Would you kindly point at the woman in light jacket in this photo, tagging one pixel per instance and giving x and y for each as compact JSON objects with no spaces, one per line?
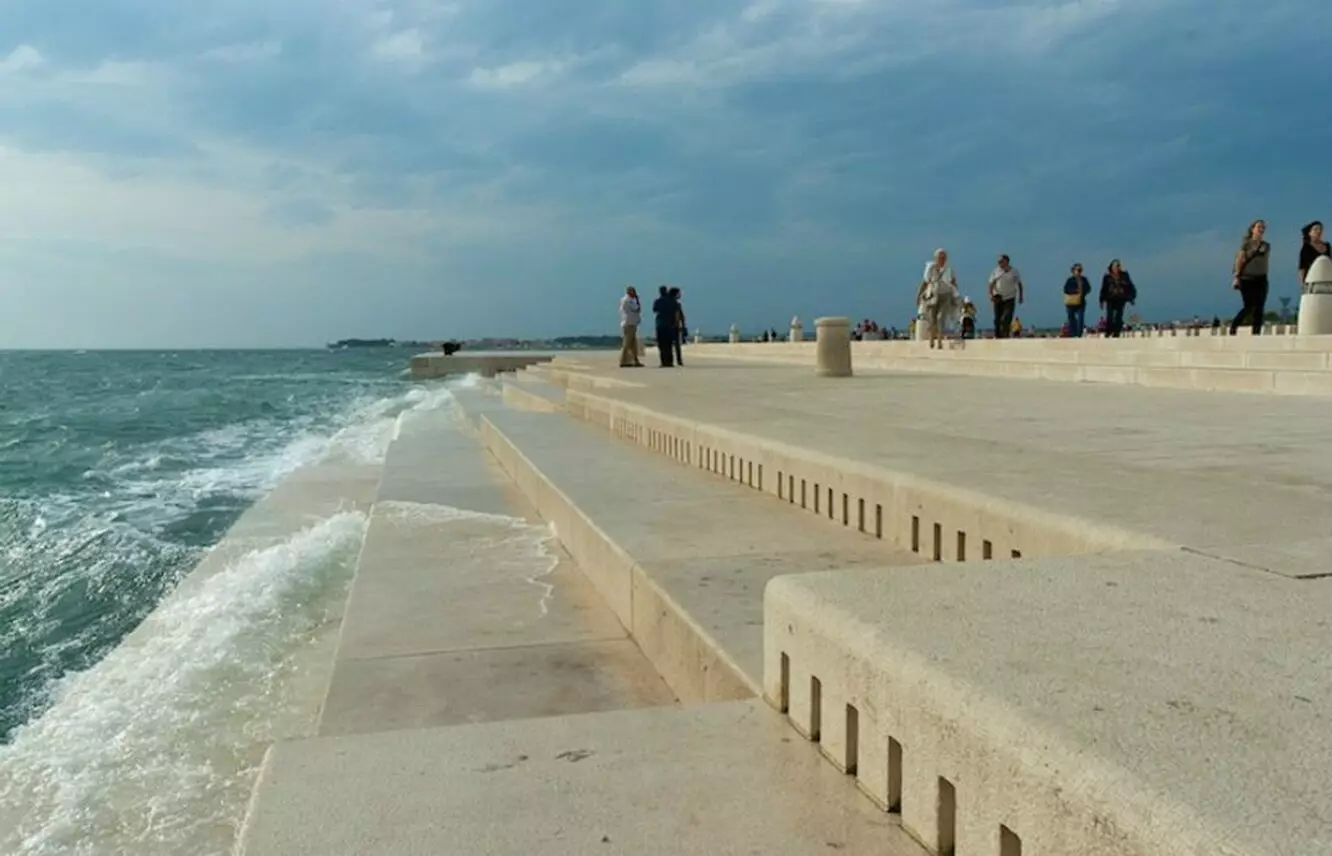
{"x":937,"y":298}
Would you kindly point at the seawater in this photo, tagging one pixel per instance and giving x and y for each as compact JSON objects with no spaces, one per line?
{"x":134,"y":711}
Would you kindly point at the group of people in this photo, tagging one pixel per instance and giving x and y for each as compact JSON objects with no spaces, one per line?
{"x":940,"y":302}
{"x":668,"y":315}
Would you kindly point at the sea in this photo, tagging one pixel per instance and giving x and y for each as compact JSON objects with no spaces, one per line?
{"x":119,"y":471}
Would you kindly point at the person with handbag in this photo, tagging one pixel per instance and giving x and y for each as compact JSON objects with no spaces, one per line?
{"x":1076,"y":291}
{"x":937,"y":298}
{"x":1117,"y":291}
{"x":1251,"y":277}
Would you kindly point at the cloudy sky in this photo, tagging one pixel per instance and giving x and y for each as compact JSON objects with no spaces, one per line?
{"x":283,"y":172}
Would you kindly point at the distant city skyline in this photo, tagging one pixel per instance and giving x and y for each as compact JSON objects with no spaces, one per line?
{"x":291,"y":173}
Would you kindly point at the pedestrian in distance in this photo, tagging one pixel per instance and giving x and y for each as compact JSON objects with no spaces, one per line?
{"x":1006,"y":294}
{"x":1311,"y":247}
{"x":631,"y":315}
{"x":666,"y":312}
{"x":1251,"y":277}
{"x":938,"y":298}
{"x":1117,"y":291}
{"x":1076,"y":291}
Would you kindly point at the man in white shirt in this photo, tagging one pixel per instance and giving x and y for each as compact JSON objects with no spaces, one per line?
{"x":1005,"y":294}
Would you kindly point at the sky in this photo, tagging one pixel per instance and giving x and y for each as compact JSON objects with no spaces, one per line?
{"x":287,"y":172}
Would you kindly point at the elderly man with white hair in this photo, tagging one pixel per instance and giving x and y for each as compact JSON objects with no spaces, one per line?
{"x":938,"y":298}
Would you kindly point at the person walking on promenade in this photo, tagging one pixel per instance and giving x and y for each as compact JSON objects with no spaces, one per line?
{"x":937,"y":296}
{"x":631,"y":315}
{"x":1117,"y":291}
{"x":1076,"y":291}
{"x":681,"y":328}
{"x":1005,"y":294}
{"x":665,"y":310}
{"x":1311,"y":248}
{"x":1251,"y":277}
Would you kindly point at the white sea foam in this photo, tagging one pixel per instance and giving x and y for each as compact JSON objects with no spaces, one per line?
{"x":497,"y":545}
{"x":154,"y":750}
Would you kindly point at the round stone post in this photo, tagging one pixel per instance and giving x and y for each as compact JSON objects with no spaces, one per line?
{"x":797,"y":330}
{"x":1316,"y":302}
{"x":834,"y":346}
{"x":698,"y":338}
{"x":734,"y":338}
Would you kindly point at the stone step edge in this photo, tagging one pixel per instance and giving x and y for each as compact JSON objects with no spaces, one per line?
{"x":1299,"y":382}
{"x":944,"y":730}
{"x":522,"y":396}
{"x":939,"y":520}
{"x":689,"y":659}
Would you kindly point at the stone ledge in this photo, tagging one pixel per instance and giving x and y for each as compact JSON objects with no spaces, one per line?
{"x":1134,"y":704}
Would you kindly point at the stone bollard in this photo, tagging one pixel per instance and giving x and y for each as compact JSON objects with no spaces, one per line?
{"x":1316,"y":302}
{"x":834,"y":347}
{"x":698,"y":338}
{"x":797,"y":330}
{"x":734,"y":337}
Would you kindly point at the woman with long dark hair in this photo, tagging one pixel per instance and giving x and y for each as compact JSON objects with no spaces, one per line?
{"x":1251,"y":277}
{"x":1311,"y":248}
{"x":1117,"y":291}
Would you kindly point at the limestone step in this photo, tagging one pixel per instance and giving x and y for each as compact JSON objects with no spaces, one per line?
{"x":964,"y":468}
{"x":726,"y":779}
{"x":1129,"y":704}
{"x":680,"y":558}
{"x":531,"y":393}
{"x":464,"y":608}
{"x":1287,"y":365}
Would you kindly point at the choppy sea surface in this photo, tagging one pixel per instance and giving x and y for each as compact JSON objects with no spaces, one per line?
{"x":118,"y":472}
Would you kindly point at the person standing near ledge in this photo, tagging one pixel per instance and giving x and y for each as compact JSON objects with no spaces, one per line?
{"x":681,"y":328}
{"x":1005,"y":294}
{"x":937,"y":297}
{"x":1311,"y":248}
{"x":666,"y":311}
{"x":1251,"y":277}
{"x":1076,"y":291}
{"x":1117,"y":290}
{"x":631,"y":315}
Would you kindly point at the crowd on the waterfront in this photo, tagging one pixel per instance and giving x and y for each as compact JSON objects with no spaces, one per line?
{"x":941,"y":306}
{"x":943,"y":310}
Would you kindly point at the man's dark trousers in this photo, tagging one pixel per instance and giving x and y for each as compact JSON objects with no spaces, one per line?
{"x":1003,"y":317}
{"x":666,"y":337}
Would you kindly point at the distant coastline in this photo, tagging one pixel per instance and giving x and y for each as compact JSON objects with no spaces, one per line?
{"x":560,"y":343}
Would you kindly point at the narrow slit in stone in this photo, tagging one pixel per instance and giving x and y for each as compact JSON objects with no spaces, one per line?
{"x":915,"y":534}
{"x":785,"y":699}
{"x":861,"y":516}
{"x":1009,"y":842}
{"x":852,"y":740}
{"x":830,"y":503}
{"x":1017,"y":554}
{"x":760,"y":478}
{"x":878,"y":521}
{"x":818,"y":494}
{"x":894,"y":776}
{"x":802,"y":494}
{"x":987,"y":550}
{"x":938,"y":543}
{"x":815,"y":709}
{"x":781,"y":485}
{"x":947,"y":810}
{"x":846,"y":510}
{"x":961,"y":546}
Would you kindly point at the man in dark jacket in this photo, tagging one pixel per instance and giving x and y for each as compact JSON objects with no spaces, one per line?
{"x":667,"y":311}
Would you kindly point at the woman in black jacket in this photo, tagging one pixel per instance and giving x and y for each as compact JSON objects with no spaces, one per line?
{"x":1117,"y":291}
{"x":1311,"y":248}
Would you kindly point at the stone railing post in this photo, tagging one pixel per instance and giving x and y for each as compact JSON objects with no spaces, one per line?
{"x":734,"y":337}
{"x":1316,"y":302}
{"x":833,"y":336}
{"x":698,"y":338}
{"x":797,"y":330}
